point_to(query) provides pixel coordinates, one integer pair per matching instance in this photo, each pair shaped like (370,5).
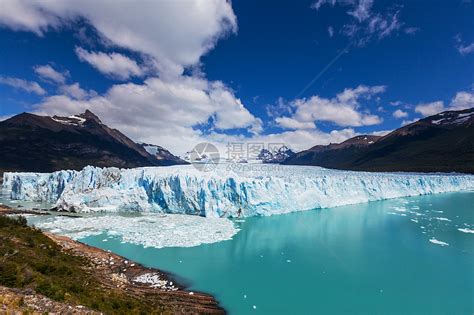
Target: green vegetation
(29,259)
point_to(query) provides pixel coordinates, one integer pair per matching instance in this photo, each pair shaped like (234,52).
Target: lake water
(401,256)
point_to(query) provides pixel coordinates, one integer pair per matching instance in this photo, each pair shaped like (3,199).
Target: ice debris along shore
(148,230)
(261,190)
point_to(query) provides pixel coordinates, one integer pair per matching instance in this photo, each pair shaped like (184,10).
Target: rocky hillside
(30,142)
(439,143)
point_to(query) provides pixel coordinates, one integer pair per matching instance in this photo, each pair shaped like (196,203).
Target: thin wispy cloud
(367,24)
(48,73)
(111,64)
(28,86)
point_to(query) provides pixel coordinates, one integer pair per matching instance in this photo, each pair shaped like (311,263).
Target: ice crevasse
(223,192)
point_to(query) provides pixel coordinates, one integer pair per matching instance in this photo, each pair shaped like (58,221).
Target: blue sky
(178,73)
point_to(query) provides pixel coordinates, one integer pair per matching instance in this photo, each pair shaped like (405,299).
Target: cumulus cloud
(168,113)
(429,109)
(160,111)
(342,110)
(28,86)
(48,73)
(114,64)
(399,114)
(290,123)
(462,100)
(297,140)
(75,91)
(175,33)
(366,24)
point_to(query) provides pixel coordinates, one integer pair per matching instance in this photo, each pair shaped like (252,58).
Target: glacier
(228,191)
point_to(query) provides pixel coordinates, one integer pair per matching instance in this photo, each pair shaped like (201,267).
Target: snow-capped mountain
(162,154)
(438,143)
(276,156)
(31,142)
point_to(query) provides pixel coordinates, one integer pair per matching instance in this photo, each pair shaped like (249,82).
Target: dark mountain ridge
(438,143)
(30,142)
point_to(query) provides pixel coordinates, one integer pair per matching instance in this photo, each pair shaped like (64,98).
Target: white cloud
(462,100)
(366,23)
(5,117)
(114,64)
(290,123)
(75,91)
(396,103)
(462,47)
(175,33)
(381,133)
(362,10)
(162,112)
(399,114)
(411,30)
(28,86)
(430,108)
(46,72)
(343,110)
(297,140)
(167,113)
(331,31)
(466,49)
(410,121)
(22,15)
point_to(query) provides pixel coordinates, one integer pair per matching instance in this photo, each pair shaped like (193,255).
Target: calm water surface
(373,258)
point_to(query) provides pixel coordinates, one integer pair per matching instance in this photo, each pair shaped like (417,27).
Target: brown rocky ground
(112,275)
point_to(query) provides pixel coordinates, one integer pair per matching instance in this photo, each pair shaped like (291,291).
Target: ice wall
(259,190)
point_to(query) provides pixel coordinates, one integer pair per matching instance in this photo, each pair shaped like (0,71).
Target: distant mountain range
(30,142)
(277,156)
(439,143)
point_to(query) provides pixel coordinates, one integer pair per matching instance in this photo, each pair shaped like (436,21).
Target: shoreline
(115,272)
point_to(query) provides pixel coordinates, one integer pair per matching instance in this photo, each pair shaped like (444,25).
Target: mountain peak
(88,115)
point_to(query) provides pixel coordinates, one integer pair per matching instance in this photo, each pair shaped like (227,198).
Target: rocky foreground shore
(151,287)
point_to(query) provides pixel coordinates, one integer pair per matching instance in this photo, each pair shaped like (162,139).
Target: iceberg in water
(148,230)
(247,190)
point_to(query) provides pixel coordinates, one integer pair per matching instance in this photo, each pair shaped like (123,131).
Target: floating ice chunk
(437,242)
(442,219)
(466,230)
(400,214)
(149,230)
(399,209)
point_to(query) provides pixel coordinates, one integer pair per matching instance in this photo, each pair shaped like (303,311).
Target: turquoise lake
(372,258)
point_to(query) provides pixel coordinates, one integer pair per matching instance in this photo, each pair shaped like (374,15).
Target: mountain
(276,156)
(438,143)
(163,155)
(31,142)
